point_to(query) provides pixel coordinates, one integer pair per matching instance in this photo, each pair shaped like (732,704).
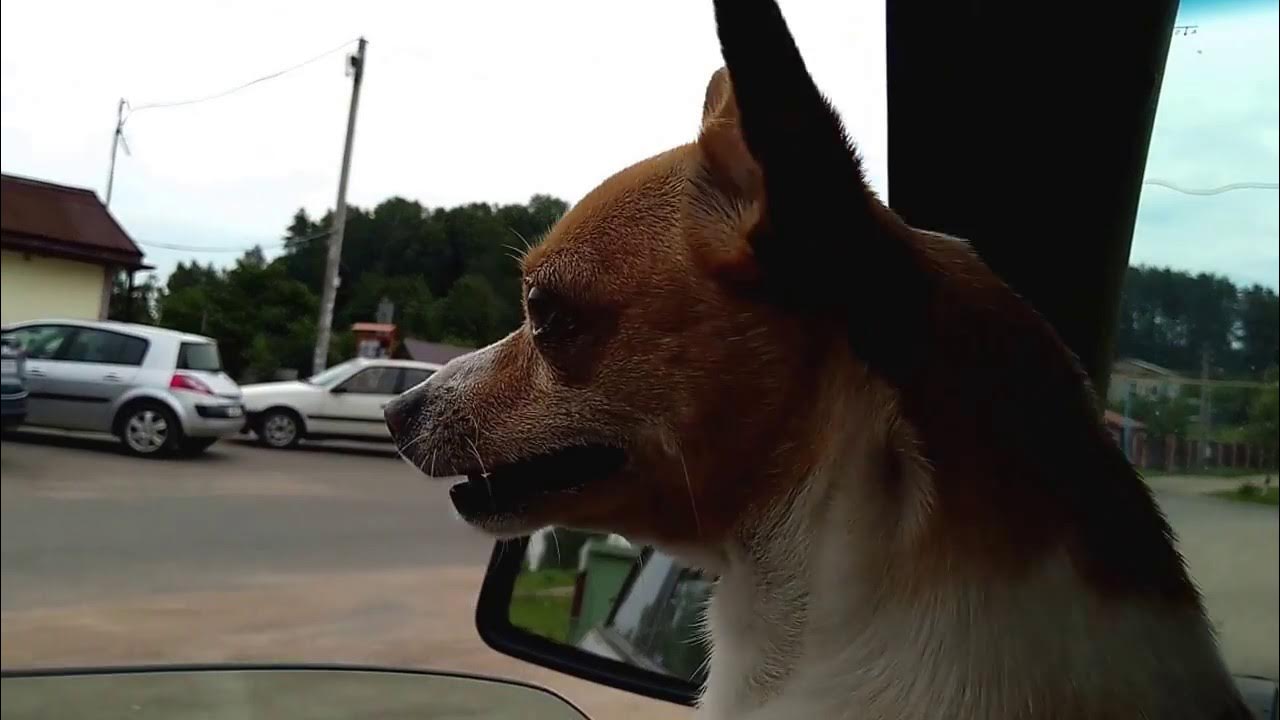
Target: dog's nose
(398,411)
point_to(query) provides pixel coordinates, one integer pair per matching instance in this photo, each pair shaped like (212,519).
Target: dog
(733,350)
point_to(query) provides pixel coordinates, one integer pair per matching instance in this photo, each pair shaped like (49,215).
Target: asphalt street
(344,553)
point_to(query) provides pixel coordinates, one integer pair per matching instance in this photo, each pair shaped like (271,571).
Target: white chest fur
(802,627)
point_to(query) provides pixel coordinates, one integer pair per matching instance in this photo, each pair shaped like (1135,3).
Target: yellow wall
(34,287)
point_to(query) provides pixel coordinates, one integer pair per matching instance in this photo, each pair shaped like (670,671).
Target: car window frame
(64,349)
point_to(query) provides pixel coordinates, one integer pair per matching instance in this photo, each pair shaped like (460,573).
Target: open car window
(1193,393)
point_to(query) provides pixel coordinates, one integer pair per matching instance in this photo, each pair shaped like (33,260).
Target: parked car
(159,391)
(344,401)
(13,387)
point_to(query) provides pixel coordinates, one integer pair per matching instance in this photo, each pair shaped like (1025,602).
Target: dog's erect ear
(733,169)
(820,227)
(788,127)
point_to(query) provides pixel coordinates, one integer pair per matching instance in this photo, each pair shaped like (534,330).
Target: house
(423,351)
(374,339)
(60,250)
(1139,378)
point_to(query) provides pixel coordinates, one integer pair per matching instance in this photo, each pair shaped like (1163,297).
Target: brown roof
(381,328)
(439,353)
(51,219)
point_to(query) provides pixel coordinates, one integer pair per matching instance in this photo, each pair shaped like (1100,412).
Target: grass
(532,582)
(1249,492)
(536,609)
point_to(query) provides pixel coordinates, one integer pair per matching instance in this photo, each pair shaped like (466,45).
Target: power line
(221,249)
(238,88)
(1212,190)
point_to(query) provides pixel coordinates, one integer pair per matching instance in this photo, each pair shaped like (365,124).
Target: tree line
(1175,319)
(453,277)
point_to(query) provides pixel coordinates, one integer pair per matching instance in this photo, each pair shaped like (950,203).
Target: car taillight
(187,382)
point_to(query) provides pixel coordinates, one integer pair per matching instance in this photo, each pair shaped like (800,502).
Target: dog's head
(653,389)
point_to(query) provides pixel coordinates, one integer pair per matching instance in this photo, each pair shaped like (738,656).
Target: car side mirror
(598,608)
(337,390)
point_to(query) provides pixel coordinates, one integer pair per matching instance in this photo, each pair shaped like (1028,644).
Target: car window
(414,376)
(324,377)
(40,342)
(373,381)
(1193,398)
(101,346)
(199,356)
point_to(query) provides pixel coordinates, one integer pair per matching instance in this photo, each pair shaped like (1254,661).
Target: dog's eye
(546,310)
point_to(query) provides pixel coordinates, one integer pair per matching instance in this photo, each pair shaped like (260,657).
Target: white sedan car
(342,402)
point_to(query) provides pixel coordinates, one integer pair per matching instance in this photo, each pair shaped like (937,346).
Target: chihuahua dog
(735,351)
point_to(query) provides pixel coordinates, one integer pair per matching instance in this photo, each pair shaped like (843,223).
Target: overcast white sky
(495,100)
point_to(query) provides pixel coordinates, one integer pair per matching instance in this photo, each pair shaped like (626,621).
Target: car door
(90,371)
(354,406)
(41,343)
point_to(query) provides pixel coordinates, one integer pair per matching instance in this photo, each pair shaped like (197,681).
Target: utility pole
(328,295)
(1206,407)
(115,144)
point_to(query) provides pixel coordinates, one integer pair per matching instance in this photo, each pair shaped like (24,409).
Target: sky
(496,100)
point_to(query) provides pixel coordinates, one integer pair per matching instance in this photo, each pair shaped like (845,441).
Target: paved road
(327,555)
(80,521)
(323,554)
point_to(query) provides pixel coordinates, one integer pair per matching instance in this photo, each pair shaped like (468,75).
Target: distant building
(60,250)
(1143,379)
(423,351)
(375,339)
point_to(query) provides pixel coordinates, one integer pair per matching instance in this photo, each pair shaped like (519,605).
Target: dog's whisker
(411,443)
(688,485)
(484,472)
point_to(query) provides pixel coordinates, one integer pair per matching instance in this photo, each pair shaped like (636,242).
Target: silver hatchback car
(159,391)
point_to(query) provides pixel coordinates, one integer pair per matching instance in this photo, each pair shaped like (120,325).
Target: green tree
(1259,312)
(1263,428)
(471,311)
(139,305)
(1162,415)
(452,273)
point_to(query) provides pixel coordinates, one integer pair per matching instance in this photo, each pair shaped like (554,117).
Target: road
(323,554)
(349,555)
(91,523)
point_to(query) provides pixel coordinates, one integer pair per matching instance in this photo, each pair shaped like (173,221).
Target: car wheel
(279,428)
(149,429)
(194,446)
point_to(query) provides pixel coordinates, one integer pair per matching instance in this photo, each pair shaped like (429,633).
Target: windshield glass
(333,374)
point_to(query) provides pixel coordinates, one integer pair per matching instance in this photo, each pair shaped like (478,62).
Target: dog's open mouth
(515,487)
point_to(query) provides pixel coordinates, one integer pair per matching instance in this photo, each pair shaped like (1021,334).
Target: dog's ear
(732,168)
(819,222)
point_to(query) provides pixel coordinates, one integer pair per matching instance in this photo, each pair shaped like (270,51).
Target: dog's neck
(811,618)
